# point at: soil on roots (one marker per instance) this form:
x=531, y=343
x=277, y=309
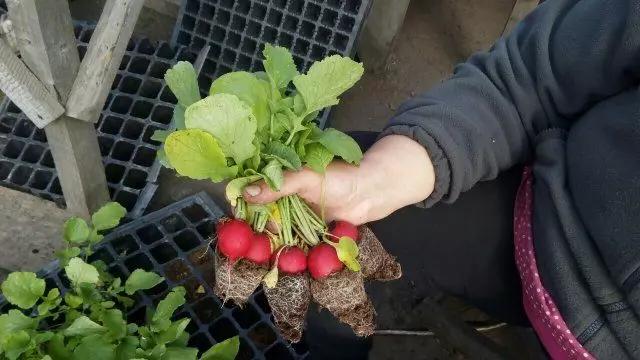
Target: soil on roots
x=238, y=281
x=289, y=301
x=375, y=261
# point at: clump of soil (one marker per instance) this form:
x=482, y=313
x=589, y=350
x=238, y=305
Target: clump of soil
x=236, y=282
x=289, y=301
x=343, y=294
x=375, y=261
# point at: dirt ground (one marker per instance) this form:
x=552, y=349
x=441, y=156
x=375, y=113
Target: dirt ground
x=435, y=36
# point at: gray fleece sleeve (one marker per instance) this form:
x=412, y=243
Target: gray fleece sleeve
x=563, y=58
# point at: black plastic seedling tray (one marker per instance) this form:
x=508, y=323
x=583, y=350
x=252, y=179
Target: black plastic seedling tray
x=237, y=30
x=139, y=103
x=175, y=243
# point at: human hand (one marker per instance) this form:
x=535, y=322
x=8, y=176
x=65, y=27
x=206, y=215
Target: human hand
x=394, y=173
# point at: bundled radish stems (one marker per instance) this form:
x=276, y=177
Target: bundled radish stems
x=252, y=127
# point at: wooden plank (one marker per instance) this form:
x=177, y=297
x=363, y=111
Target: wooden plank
x=454, y=331
x=520, y=9
x=25, y=90
x=382, y=24
x=74, y=143
x=100, y=64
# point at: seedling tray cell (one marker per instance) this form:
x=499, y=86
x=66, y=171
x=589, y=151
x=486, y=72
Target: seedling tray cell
x=139, y=103
x=236, y=32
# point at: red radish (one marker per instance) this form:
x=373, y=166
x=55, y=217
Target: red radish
x=323, y=261
x=343, y=228
x=260, y=250
x=234, y=238
x=292, y=260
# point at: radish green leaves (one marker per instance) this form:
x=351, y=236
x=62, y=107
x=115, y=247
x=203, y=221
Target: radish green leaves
x=251, y=124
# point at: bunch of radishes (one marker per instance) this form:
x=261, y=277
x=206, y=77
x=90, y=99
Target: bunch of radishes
x=236, y=240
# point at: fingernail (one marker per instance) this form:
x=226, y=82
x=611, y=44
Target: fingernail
x=252, y=190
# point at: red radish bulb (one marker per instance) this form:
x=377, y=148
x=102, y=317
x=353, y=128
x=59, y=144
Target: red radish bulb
x=292, y=260
x=234, y=238
x=343, y=228
x=323, y=261
x=260, y=250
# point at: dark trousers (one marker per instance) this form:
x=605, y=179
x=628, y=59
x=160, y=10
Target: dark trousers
x=463, y=249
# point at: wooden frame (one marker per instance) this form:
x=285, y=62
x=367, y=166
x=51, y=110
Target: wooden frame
x=51, y=74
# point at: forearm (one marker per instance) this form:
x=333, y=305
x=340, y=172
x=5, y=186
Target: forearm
x=395, y=172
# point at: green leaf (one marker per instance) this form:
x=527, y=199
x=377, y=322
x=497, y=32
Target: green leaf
x=317, y=157
x=273, y=174
x=280, y=125
x=94, y=348
x=226, y=350
x=94, y=237
x=299, y=108
x=178, y=116
x=166, y=308
x=284, y=154
x=113, y=320
x=141, y=280
x=302, y=141
x=56, y=348
x=66, y=255
x=79, y=272
x=44, y=337
x=160, y=135
x=176, y=353
x=14, y=321
x=72, y=300
x=76, y=230
x=261, y=75
x=174, y=332
x=88, y=293
x=279, y=65
x=249, y=90
x=340, y=144
x=83, y=326
x=236, y=186
x=347, y=252
x=127, y=348
x=108, y=216
x=229, y=120
x=23, y=289
x=326, y=80
x=196, y=154
x=16, y=343
x=183, y=82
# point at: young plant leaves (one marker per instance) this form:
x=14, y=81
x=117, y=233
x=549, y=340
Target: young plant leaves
x=183, y=82
x=166, y=308
x=23, y=289
x=326, y=80
x=79, y=272
x=196, y=154
x=141, y=280
x=317, y=157
x=108, y=216
x=284, y=154
x=279, y=65
x=250, y=90
x=76, y=230
x=273, y=174
x=15, y=344
x=14, y=321
x=83, y=326
x=347, y=252
x=236, y=186
x=95, y=348
x=226, y=350
x=340, y=144
x=229, y=120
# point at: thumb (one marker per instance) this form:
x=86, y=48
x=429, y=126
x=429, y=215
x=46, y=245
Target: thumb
x=261, y=193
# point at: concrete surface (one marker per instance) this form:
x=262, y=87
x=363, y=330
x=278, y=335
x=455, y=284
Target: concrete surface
x=435, y=36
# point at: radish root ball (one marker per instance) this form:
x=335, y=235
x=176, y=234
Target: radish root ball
x=375, y=262
x=289, y=301
x=343, y=294
x=238, y=281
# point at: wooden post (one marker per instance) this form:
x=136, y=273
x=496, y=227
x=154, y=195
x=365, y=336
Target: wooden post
x=99, y=67
x=44, y=31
